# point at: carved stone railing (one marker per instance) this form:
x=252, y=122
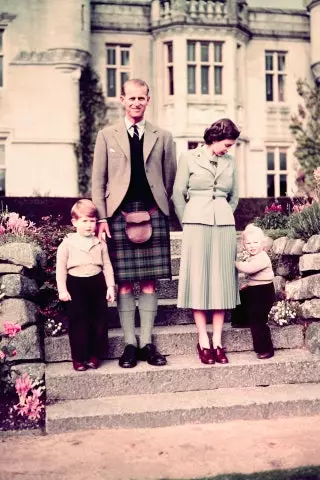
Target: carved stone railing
x=199, y=11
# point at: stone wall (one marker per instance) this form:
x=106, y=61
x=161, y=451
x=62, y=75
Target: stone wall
x=20, y=266
x=297, y=277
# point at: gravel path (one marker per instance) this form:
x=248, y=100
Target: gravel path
x=181, y=452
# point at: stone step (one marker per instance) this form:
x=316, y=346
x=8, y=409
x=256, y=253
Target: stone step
x=182, y=373
x=165, y=409
x=181, y=340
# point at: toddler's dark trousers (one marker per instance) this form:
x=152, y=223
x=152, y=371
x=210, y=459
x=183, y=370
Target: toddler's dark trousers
x=87, y=317
x=256, y=303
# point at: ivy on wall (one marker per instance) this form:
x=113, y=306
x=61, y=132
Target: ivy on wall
x=92, y=118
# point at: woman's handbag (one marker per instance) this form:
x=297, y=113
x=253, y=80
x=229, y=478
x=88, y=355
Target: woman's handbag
x=138, y=225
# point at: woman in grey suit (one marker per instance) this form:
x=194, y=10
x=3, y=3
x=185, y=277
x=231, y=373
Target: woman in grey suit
x=205, y=196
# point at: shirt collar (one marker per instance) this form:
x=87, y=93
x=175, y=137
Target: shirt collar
x=141, y=125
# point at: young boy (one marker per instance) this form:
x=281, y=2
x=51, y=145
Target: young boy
x=85, y=280
x=257, y=295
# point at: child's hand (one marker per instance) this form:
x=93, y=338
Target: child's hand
x=111, y=294
x=65, y=296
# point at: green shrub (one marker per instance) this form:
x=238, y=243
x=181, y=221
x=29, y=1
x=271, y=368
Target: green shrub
x=306, y=223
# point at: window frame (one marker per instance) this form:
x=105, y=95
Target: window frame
x=277, y=171
x=275, y=74
x=199, y=65
x=117, y=66
x=169, y=67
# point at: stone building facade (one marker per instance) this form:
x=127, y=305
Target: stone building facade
x=203, y=59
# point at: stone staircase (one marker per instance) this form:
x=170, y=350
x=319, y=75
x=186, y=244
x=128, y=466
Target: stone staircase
x=184, y=391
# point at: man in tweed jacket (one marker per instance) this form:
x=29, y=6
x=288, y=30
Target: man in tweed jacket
x=134, y=169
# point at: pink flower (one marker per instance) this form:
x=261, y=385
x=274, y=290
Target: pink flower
x=11, y=329
x=13, y=353
x=2, y=355
x=29, y=405
x=23, y=385
x=2, y=230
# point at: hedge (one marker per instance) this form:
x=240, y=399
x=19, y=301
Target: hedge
x=34, y=208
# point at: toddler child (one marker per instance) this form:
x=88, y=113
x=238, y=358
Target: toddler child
x=258, y=295
x=85, y=280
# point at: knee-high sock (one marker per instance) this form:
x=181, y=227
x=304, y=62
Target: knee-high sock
x=148, y=303
x=127, y=308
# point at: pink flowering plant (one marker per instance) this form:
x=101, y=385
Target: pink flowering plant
x=275, y=216
x=29, y=392
x=30, y=405
x=7, y=352
x=13, y=226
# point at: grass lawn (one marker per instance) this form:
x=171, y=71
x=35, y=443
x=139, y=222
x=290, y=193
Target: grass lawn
x=305, y=473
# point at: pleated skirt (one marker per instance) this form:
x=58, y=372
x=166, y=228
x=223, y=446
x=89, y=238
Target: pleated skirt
x=208, y=278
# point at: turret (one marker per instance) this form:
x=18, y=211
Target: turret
x=68, y=32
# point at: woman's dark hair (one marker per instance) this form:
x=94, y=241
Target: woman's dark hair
x=223, y=129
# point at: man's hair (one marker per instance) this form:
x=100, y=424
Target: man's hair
x=135, y=81
x=84, y=208
x=223, y=129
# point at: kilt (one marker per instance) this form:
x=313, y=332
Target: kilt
x=147, y=261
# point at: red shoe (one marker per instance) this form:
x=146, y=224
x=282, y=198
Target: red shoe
x=205, y=355
x=93, y=363
x=79, y=366
x=219, y=355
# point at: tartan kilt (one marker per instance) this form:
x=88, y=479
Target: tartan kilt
x=145, y=261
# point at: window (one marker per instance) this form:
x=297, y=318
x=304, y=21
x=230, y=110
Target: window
x=169, y=63
x=275, y=65
x=118, y=66
x=277, y=172
x=204, y=68
x=2, y=170
x=1, y=58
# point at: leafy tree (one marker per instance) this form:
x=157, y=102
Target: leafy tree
x=305, y=127
x=92, y=118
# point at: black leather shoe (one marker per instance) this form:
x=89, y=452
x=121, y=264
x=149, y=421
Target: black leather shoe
x=150, y=354
x=129, y=357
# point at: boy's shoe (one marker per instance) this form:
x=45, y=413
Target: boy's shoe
x=264, y=356
x=79, y=366
x=93, y=363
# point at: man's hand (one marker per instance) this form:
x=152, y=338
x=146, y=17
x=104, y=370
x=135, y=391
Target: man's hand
x=64, y=296
x=103, y=229
x=111, y=294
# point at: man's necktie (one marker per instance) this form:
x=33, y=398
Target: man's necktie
x=136, y=132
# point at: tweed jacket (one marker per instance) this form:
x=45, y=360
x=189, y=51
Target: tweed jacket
x=112, y=167
x=205, y=194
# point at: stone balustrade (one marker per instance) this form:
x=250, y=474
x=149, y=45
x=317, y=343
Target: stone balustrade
x=198, y=11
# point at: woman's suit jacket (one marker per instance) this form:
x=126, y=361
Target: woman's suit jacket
x=112, y=167
x=205, y=194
